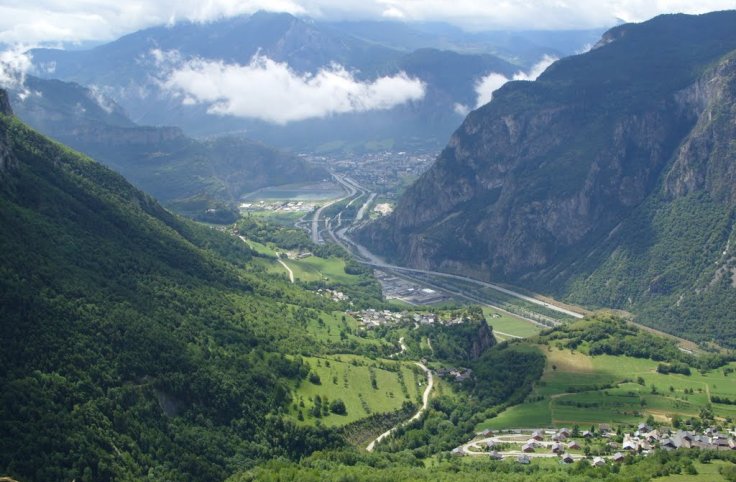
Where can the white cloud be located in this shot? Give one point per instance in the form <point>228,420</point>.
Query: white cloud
<point>271,91</point>
<point>394,13</point>
<point>485,87</point>
<point>14,64</point>
<point>488,84</point>
<point>461,109</point>
<point>80,20</point>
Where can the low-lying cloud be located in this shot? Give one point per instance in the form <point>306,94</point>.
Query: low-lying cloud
<point>486,86</point>
<point>271,91</point>
<point>14,64</point>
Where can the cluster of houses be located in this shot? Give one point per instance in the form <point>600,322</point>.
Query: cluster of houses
<point>457,374</point>
<point>371,318</point>
<point>286,207</point>
<point>334,295</point>
<point>644,440</point>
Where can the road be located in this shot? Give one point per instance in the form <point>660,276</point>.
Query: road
<point>318,213</point>
<point>291,273</point>
<point>425,404</point>
<point>362,255</point>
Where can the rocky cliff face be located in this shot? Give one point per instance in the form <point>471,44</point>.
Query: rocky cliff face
<point>705,162</point>
<point>483,340</point>
<point>5,153</point>
<point>5,103</point>
<point>590,173</point>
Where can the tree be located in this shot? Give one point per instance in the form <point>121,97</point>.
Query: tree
<point>338,407</point>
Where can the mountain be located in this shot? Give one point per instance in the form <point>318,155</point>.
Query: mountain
<point>609,181</point>
<point>188,175</point>
<point>135,345</point>
<point>305,45</point>
<point>127,71</point>
<point>523,47</point>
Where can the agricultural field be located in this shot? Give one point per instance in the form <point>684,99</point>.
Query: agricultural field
<point>512,325</point>
<point>365,386</point>
<point>313,268</point>
<point>579,389</point>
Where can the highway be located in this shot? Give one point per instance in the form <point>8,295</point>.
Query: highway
<point>317,214</point>
<point>362,255</point>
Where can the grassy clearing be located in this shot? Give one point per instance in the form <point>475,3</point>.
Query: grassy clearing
<point>510,324</point>
<point>278,217</point>
<point>350,379</point>
<point>260,248</point>
<point>706,473</point>
<point>578,389</point>
<point>338,326</point>
<point>313,268</point>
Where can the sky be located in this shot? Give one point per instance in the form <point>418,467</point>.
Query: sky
<point>226,89</point>
<point>54,21</point>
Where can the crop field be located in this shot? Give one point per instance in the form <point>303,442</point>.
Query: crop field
<point>365,386</point>
<point>510,324</point>
<point>579,389</point>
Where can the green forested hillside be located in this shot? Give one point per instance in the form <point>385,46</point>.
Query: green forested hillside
<point>133,345</point>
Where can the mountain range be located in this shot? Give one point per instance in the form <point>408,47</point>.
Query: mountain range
<point>609,181</point>
<point>194,177</point>
<point>448,62</point>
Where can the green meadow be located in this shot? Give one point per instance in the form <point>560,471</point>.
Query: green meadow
<point>579,389</point>
<point>313,268</point>
<point>506,323</point>
<point>365,386</point>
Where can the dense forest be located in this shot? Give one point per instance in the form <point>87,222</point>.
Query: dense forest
<point>133,343</point>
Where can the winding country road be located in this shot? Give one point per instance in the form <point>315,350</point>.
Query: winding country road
<point>425,404</point>
<point>291,273</point>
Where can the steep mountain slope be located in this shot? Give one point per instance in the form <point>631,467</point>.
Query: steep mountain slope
<point>188,175</point>
<point>610,180</point>
<point>134,346</point>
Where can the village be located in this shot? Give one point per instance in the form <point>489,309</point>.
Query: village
<point>279,206</point>
<point>372,318</point>
<point>382,171</point>
<point>599,447</point>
